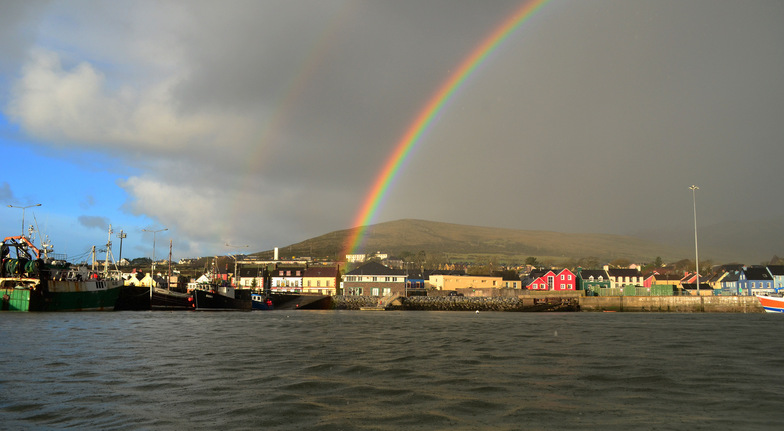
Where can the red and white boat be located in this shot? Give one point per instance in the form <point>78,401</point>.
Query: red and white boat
<point>772,304</point>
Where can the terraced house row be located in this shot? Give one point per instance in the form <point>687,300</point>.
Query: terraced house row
<point>376,279</point>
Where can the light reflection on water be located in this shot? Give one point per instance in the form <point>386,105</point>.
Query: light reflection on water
<point>391,370</point>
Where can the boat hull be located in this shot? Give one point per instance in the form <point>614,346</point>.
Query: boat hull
<point>261,303</point>
<point>207,300</point>
<point>93,295</point>
<point>772,304</point>
<point>163,299</point>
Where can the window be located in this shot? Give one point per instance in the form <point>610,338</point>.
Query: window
<point>563,277</point>
<point>318,283</point>
<point>570,277</point>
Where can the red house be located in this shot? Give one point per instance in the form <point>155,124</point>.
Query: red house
<point>552,280</point>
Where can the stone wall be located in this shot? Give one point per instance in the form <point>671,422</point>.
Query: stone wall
<point>678,304</point>
<point>342,302</point>
<point>572,302</point>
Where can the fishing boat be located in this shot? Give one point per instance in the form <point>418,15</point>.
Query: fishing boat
<point>31,282</point>
<point>261,302</point>
<point>221,298</point>
<point>165,299</point>
<point>772,304</point>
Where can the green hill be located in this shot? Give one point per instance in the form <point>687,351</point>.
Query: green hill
<point>479,244</point>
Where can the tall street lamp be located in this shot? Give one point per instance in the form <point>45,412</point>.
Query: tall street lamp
<point>153,247</point>
<point>122,236</point>
<point>23,212</point>
<point>236,278</point>
<point>694,189</point>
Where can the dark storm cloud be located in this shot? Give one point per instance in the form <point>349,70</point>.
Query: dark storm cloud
<point>591,117</point>
<point>6,194</point>
<point>94,222</point>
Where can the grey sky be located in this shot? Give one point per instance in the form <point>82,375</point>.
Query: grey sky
<point>265,122</point>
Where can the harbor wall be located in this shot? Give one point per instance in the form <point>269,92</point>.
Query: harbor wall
<point>675,304</point>
<point>570,302</point>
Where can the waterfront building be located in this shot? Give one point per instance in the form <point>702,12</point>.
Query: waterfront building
<point>777,272</point>
<point>251,278</point>
<point>563,279</point>
<point>593,279</point>
<point>510,279</point>
<point>374,279</point>
<point>729,284</point>
<point>287,279</point>
<point>667,280</point>
<point>436,278</point>
<point>620,277</point>
<point>417,279</point>
<point>715,282</point>
<point>321,280</point>
<point>458,282</point>
<point>755,280</point>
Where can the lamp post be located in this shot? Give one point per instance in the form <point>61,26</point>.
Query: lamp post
<point>23,212</point>
<point>122,236</point>
<point>235,261</point>
<point>152,275</point>
<point>694,189</point>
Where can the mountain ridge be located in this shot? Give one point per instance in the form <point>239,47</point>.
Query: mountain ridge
<point>468,242</point>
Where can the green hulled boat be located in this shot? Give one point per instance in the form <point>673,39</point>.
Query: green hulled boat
<point>29,283</point>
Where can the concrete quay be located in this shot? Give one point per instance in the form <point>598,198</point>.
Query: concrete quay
<point>539,303</point>
<point>674,304</point>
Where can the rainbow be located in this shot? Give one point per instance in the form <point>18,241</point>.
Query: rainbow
<point>425,118</point>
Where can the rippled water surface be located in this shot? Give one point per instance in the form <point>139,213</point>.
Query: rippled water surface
<point>350,370</point>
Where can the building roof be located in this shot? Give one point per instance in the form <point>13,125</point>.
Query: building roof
<point>731,276</point>
<point>321,271</point>
<point>624,272</point>
<point>668,277</point>
<point>757,273</point>
<point>776,269</point>
<point>281,271</point>
<point>251,272</point>
<point>375,268</point>
<point>596,273</point>
<point>448,272</point>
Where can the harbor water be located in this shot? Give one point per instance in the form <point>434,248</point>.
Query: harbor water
<point>354,370</point>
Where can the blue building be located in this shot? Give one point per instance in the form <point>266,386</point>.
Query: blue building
<point>729,284</point>
<point>755,280</point>
<point>777,272</point>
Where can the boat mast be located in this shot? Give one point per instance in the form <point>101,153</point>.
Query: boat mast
<point>108,250</point>
<point>168,280</point>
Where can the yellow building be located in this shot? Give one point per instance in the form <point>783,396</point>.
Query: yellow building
<point>454,282</point>
<point>320,280</point>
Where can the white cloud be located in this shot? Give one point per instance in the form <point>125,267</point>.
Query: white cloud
<point>76,107</point>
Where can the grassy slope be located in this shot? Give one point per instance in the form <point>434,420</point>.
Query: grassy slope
<point>462,242</point>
